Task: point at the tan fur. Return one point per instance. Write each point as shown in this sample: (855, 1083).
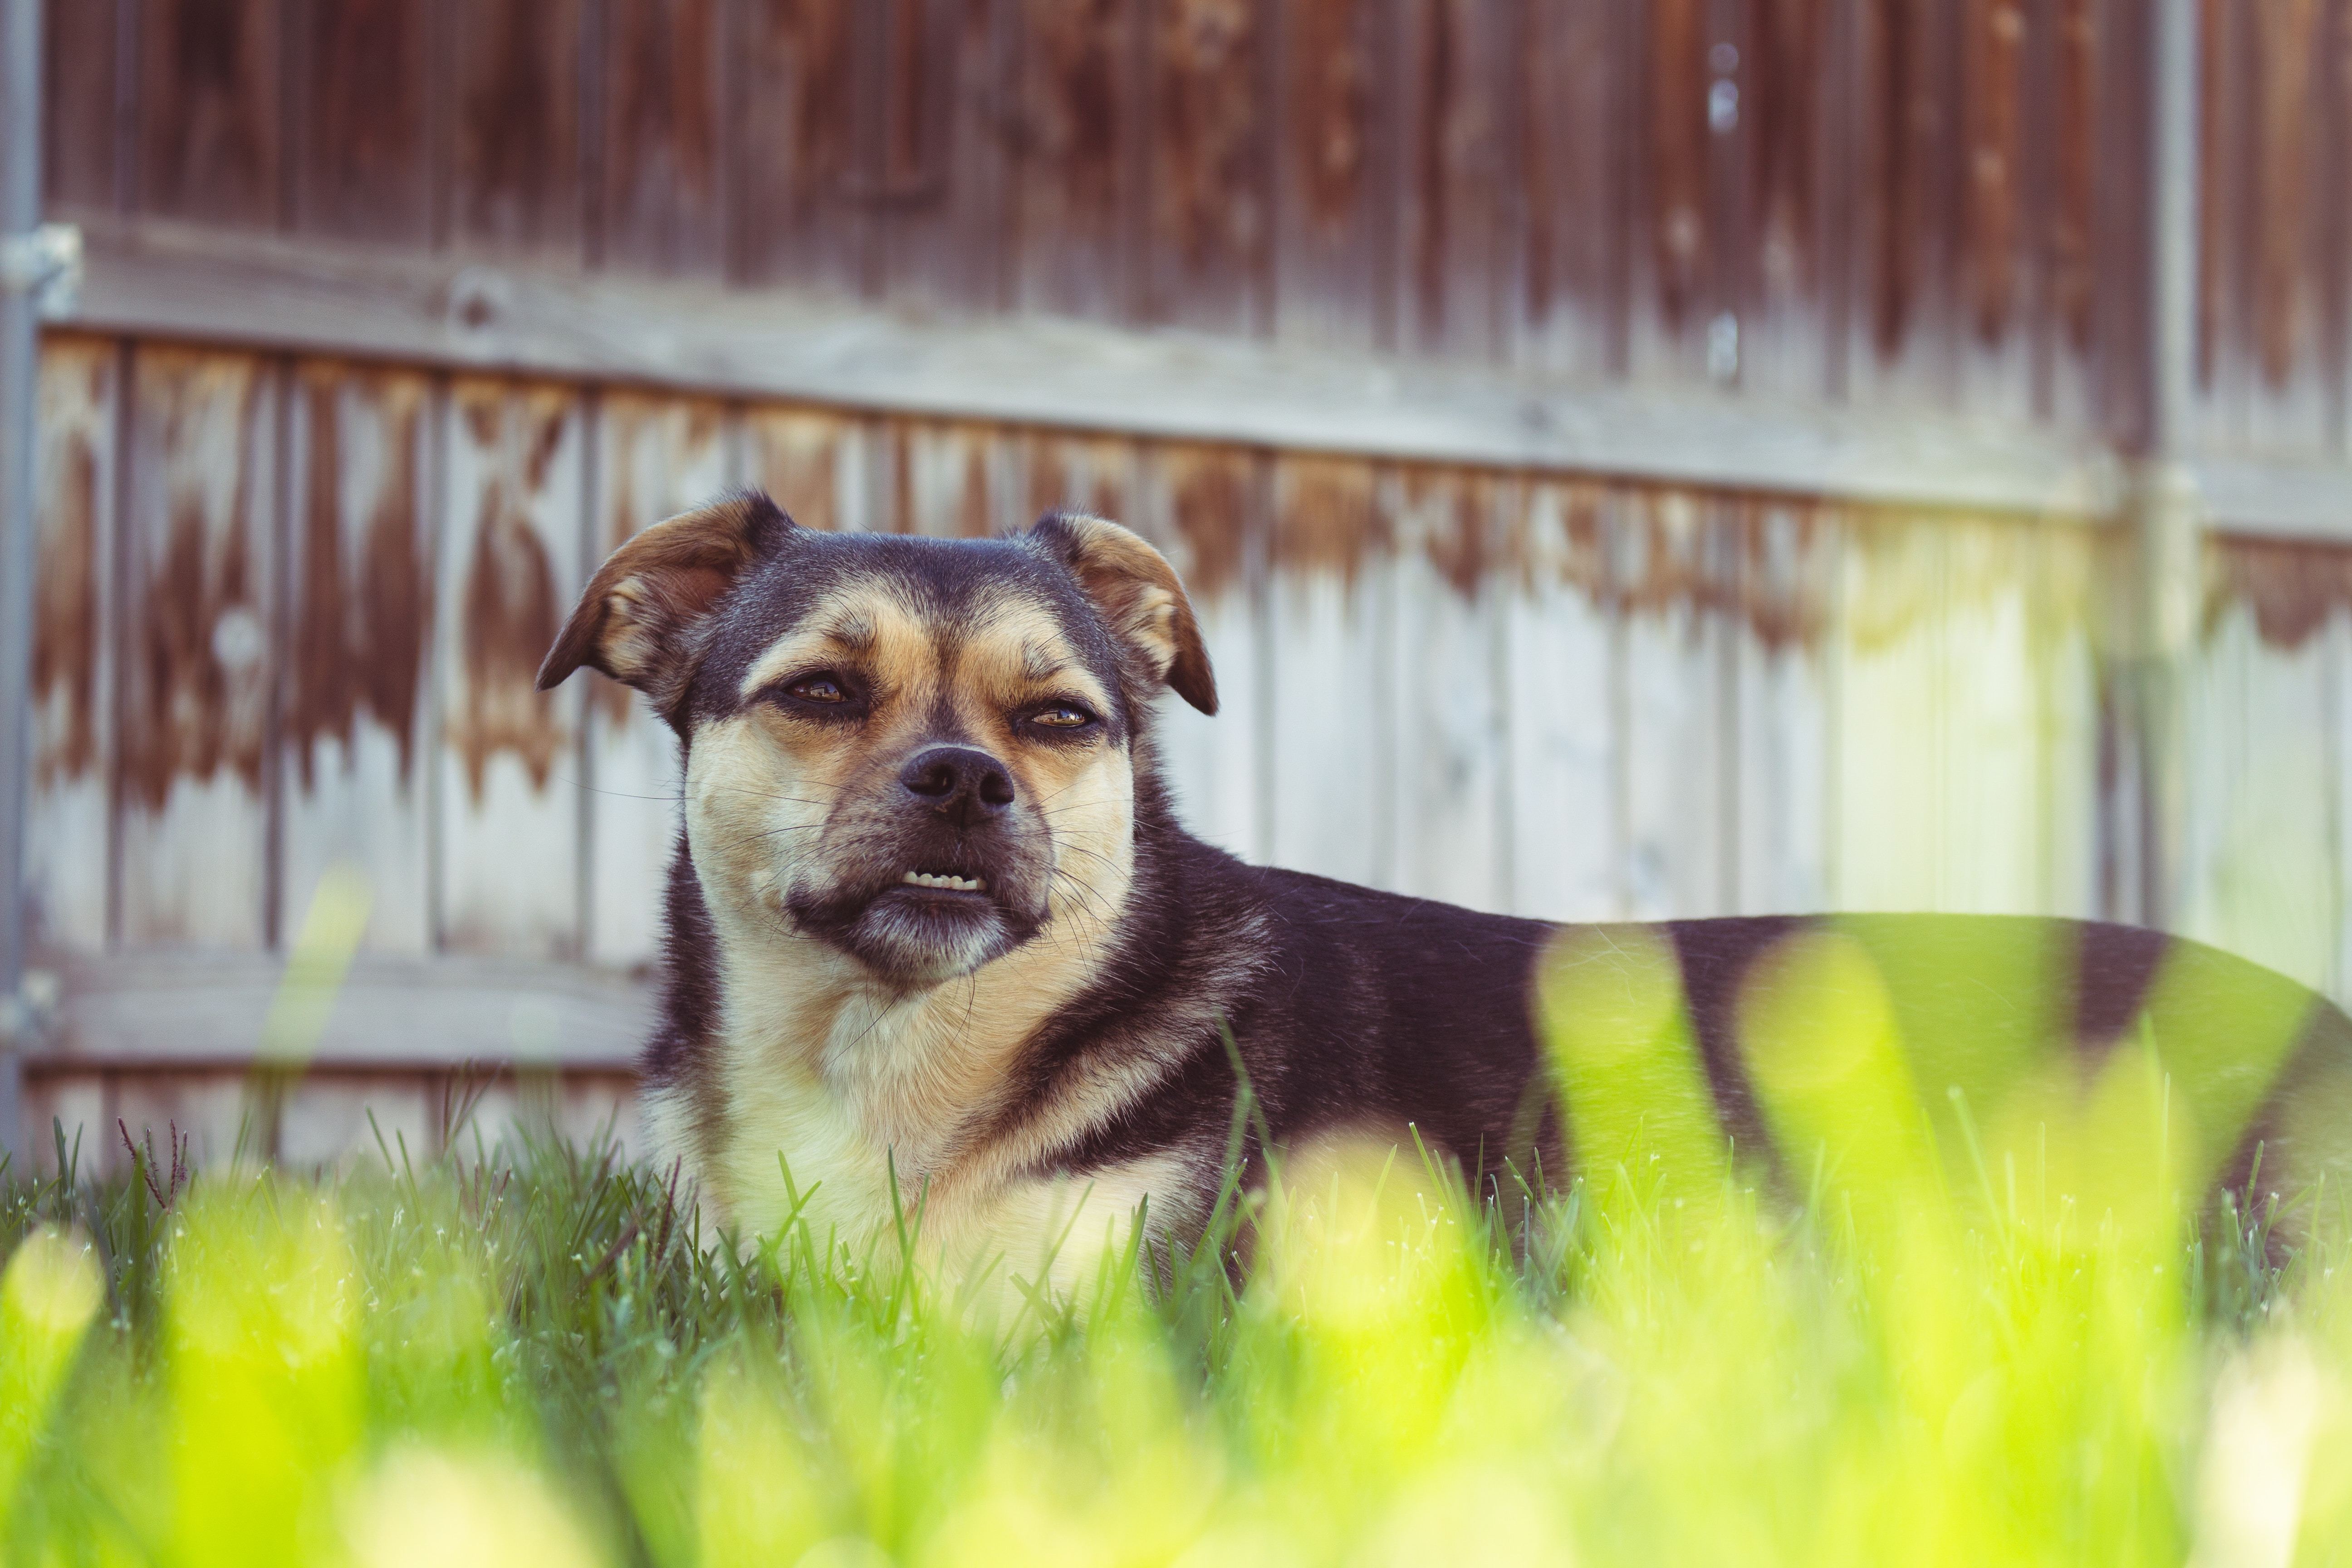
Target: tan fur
(851, 1078)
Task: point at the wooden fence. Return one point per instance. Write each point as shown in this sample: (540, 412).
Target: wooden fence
(1632, 458)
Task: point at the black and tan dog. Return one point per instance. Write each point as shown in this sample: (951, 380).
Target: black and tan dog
(934, 928)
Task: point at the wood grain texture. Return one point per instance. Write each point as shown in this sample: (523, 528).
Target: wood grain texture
(799, 147)
(354, 762)
(197, 662)
(664, 123)
(510, 859)
(1448, 689)
(515, 141)
(811, 461)
(1786, 561)
(1457, 115)
(656, 456)
(78, 106)
(1672, 574)
(1076, 201)
(1209, 228)
(1886, 768)
(1571, 179)
(67, 834)
(1334, 240)
(936, 182)
(1565, 804)
(363, 149)
(210, 137)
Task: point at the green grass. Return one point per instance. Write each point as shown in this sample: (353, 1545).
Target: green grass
(525, 1358)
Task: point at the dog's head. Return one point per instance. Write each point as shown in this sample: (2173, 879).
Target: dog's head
(915, 751)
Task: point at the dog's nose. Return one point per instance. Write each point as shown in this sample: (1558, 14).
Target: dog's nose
(960, 783)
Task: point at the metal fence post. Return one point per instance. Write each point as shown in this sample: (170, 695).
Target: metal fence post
(2169, 509)
(24, 268)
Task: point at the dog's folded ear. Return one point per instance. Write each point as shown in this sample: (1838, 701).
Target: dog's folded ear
(633, 622)
(1139, 596)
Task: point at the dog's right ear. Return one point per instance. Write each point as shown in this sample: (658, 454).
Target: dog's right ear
(633, 620)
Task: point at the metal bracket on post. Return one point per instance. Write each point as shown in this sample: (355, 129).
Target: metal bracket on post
(47, 265)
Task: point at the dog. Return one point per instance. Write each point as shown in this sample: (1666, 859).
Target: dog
(939, 949)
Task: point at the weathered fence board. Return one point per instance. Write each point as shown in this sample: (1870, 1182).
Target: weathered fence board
(356, 731)
(191, 807)
(75, 661)
(1886, 776)
(514, 530)
(656, 457)
(1787, 565)
(1671, 567)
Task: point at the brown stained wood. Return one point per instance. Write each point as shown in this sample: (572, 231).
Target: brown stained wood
(1994, 153)
(1454, 209)
(362, 590)
(193, 724)
(1326, 516)
(1096, 475)
(937, 205)
(1901, 124)
(1333, 144)
(800, 457)
(663, 128)
(2219, 189)
(1208, 520)
(1075, 189)
(77, 104)
(515, 143)
(2076, 155)
(1783, 581)
(1784, 96)
(208, 110)
(2293, 589)
(796, 134)
(943, 480)
(1447, 520)
(1675, 167)
(1208, 229)
(1568, 153)
(70, 575)
(363, 149)
(1558, 539)
(514, 585)
(196, 677)
(2286, 60)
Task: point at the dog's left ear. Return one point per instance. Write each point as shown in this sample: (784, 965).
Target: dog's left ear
(1138, 595)
(633, 622)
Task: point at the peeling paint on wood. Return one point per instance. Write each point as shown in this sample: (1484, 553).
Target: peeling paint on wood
(1079, 117)
(2075, 223)
(1568, 172)
(208, 98)
(1994, 156)
(803, 458)
(1082, 473)
(798, 145)
(2291, 589)
(1324, 519)
(1206, 532)
(943, 480)
(1331, 251)
(197, 665)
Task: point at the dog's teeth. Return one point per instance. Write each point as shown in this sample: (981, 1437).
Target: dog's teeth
(953, 883)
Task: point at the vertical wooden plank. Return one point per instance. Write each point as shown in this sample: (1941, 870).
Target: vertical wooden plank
(1076, 196)
(810, 461)
(796, 137)
(2262, 877)
(1455, 228)
(1995, 258)
(1092, 474)
(2066, 659)
(363, 166)
(1208, 228)
(938, 199)
(509, 825)
(1567, 158)
(73, 657)
(1991, 822)
(1888, 776)
(1908, 213)
(514, 151)
(78, 106)
(1564, 750)
(196, 673)
(1333, 251)
(664, 99)
(1447, 728)
(1333, 794)
(1787, 554)
(2289, 403)
(944, 485)
(1669, 209)
(360, 588)
(1670, 572)
(1198, 507)
(658, 457)
(1784, 78)
(2067, 324)
(208, 111)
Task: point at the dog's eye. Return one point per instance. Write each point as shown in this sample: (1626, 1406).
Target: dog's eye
(1062, 716)
(818, 689)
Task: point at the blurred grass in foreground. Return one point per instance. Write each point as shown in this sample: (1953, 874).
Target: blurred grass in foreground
(526, 1356)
